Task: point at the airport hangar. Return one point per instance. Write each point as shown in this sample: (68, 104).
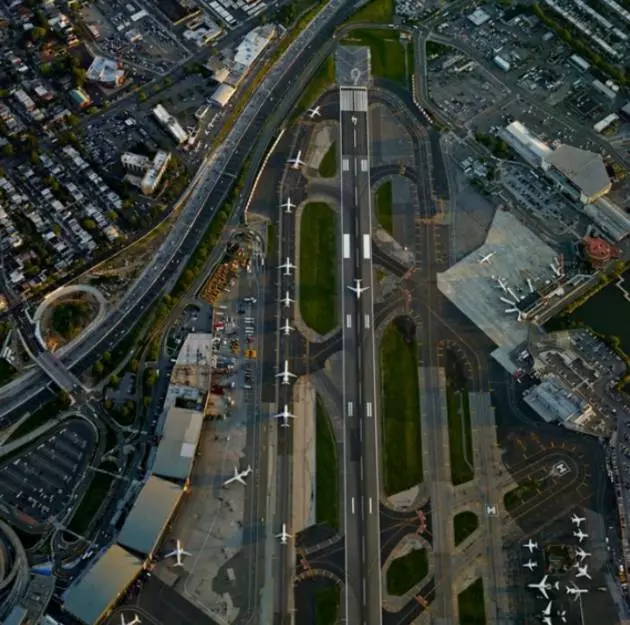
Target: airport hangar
(95, 593)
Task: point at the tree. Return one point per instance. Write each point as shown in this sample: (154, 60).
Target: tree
(134, 364)
(107, 356)
(64, 398)
(89, 224)
(98, 367)
(38, 33)
(114, 380)
(79, 76)
(7, 150)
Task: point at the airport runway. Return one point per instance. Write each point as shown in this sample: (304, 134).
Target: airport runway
(363, 596)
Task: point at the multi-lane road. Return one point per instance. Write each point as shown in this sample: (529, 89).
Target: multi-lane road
(363, 593)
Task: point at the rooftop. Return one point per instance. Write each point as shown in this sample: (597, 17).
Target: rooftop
(586, 170)
(149, 516)
(517, 254)
(94, 593)
(176, 451)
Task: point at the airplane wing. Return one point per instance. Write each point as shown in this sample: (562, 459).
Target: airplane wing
(543, 592)
(171, 554)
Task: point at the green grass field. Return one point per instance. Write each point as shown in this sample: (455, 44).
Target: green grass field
(521, 494)
(328, 164)
(323, 79)
(384, 206)
(327, 602)
(326, 470)
(375, 12)
(464, 524)
(7, 371)
(92, 500)
(404, 573)
(460, 434)
(318, 267)
(387, 53)
(402, 450)
(472, 610)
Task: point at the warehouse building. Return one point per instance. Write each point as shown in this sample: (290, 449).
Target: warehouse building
(555, 403)
(146, 172)
(170, 124)
(529, 147)
(105, 72)
(92, 596)
(180, 437)
(151, 513)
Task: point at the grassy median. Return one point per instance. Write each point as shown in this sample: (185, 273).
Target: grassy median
(327, 602)
(318, 267)
(323, 79)
(326, 470)
(389, 57)
(472, 609)
(92, 500)
(464, 524)
(405, 572)
(400, 427)
(328, 164)
(384, 206)
(460, 434)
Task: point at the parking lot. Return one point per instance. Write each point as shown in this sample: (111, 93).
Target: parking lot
(42, 482)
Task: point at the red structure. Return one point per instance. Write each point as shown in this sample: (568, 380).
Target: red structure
(598, 251)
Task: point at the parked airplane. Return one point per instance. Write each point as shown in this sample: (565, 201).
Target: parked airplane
(297, 161)
(576, 592)
(546, 615)
(486, 258)
(580, 553)
(286, 300)
(285, 415)
(357, 288)
(314, 112)
(288, 206)
(542, 586)
(580, 535)
(178, 552)
(531, 545)
(283, 535)
(577, 520)
(287, 266)
(134, 621)
(286, 328)
(239, 476)
(531, 565)
(583, 572)
(285, 374)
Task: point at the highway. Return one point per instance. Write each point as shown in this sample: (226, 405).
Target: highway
(363, 596)
(211, 186)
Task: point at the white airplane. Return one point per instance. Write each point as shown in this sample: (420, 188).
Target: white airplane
(580, 535)
(287, 266)
(486, 258)
(134, 621)
(283, 535)
(285, 374)
(178, 552)
(286, 328)
(576, 592)
(286, 300)
(577, 520)
(580, 553)
(288, 206)
(314, 112)
(285, 415)
(239, 476)
(546, 615)
(357, 288)
(542, 586)
(531, 565)
(297, 161)
(531, 545)
(583, 572)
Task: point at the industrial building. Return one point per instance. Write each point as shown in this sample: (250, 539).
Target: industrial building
(105, 72)
(555, 403)
(496, 294)
(529, 147)
(223, 94)
(92, 596)
(146, 173)
(180, 437)
(170, 124)
(582, 173)
(151, 513)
